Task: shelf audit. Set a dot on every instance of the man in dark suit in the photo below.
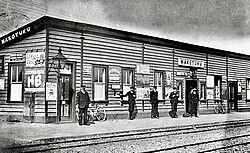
(83, 100)
(131, 101)
(174, 102)
(193, 102)
(154, 103)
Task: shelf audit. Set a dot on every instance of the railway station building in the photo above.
(44, 63)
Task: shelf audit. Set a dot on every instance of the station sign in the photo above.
(191, 63)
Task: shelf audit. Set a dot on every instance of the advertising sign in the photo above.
(143, 69)
(51, 91)
(35, 59)
(210, 81)
(35, 79)
(142, 93)
(114, 74)
(210, 94)
(142, 80)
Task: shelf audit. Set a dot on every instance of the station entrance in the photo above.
(189, 85)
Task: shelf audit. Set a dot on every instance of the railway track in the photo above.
(98, 139)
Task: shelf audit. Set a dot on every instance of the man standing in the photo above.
(154, 103)
(193, 102)
(174, 102)
(82, 100)
(131, 101)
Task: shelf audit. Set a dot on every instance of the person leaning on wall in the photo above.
(83, 100)
(131, 101)
(193, 102)
(154, 103)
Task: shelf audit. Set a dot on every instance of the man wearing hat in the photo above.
(154, 103)
(131, 101)
(193, 102)
(83, 100)
(174, 102)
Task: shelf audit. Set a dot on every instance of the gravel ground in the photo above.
(170, 141)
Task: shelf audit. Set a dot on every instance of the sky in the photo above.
(220, 24)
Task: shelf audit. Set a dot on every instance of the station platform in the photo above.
(17, 132)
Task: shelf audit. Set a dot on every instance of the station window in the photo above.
(127, 81)
(179, 84)
(158, 81)
(100, 83)
(15, 84)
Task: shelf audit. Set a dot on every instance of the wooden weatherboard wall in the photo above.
(16, 109)
(115, 49)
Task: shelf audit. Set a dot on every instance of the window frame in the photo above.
(181, 93)
(162, 81)
(106, 82)
(9, 81)
(133, 77)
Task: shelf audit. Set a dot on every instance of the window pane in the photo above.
(13, 73)
(20, 74)
(95, 78)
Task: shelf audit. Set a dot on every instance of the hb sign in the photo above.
(34, 79)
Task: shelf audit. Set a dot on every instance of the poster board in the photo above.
(143, 80)
(51, 91)
(210, 81)
(114, 74)
(210, 94)
(142, 93)
(35, 59)
(143, 69)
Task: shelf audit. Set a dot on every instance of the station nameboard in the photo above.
(191, 63)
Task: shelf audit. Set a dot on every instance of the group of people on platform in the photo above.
(83, 100)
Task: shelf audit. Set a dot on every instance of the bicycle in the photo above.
(219, 108)
(96, 113)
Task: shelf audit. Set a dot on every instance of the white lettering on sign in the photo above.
(34, 80)
(35, 59)
(191, 63)
(15, 35)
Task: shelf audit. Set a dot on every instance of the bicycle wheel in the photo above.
(216, 110)
(100, 114)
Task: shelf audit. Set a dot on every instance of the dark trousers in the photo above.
(194, 107)
(174, 108)
(83, 112)
(154, 110)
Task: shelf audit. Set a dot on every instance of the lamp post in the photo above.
(59, 59)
